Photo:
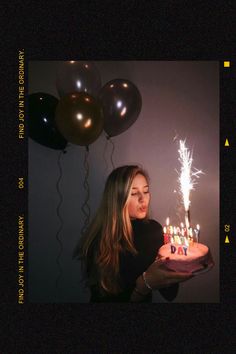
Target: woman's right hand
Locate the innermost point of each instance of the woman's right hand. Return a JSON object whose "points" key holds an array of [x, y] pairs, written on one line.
{"points": [[158, 276]]}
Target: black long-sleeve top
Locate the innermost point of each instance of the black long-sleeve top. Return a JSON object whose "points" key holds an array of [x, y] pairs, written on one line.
{"points": [[148, 238]]}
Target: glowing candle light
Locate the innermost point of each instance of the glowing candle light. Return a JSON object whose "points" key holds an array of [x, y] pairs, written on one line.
{"points": [[166, 236], [167, 221], [182, 239], [198, 232], [167, 224]]}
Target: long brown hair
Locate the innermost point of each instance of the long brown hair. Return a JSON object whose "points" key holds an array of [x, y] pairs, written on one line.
{"points": [[110, 231]]}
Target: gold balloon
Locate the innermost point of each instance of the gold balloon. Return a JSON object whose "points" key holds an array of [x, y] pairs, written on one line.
{"points": [[79, 118]]}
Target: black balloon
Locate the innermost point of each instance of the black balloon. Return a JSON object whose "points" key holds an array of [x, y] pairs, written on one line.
{"points": [[78, 76], [121, 102], [79, 117], [42, 126]]}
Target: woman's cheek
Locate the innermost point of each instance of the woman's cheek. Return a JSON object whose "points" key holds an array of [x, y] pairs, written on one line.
{"points": [[133, 206]]}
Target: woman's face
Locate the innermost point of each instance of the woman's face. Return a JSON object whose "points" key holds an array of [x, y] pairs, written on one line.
{"points": [[139, 198]]}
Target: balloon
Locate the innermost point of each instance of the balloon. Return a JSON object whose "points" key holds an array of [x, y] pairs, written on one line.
{"points": [[79, 117], [121, 103], [78, 76], [42, 127]]}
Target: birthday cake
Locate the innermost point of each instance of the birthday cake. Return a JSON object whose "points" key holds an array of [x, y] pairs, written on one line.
{"points": [[181, 249], [194, 258]]}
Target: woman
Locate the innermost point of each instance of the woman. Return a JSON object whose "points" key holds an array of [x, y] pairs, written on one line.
{"points": [[120, 248]]}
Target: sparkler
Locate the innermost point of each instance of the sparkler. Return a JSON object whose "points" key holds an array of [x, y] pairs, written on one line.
{"points": [[187, 179]]}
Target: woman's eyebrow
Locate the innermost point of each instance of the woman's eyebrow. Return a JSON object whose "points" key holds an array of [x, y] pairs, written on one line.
{"points": [[137, 187]]}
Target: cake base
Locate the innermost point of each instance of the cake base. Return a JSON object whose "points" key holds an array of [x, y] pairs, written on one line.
{"points": [[197, 258]]}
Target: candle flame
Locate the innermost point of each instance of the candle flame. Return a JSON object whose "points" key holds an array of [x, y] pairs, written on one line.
{"points": [[186, 175], [167, 221], [198, 227]]}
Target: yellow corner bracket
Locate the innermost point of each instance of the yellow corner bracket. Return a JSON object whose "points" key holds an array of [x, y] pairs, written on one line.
{"points": [[226, 142]]}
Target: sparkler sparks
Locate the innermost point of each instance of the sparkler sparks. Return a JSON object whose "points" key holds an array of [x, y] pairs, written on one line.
{"points": [[187, 177]]}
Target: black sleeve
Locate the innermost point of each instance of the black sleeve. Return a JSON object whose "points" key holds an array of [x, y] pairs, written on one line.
{"points": [[170, 293], [148, 238]]}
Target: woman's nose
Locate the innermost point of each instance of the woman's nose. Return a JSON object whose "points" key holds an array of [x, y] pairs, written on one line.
{"points": [[141, 196]]}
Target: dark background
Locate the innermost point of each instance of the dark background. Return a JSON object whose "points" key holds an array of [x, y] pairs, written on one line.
{"points": [[151, 30], [178, 99]]}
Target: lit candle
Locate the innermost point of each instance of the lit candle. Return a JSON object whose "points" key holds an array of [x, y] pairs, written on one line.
{"points": [[186, 242], [175, 231], [182, 239], [198, 232], [167, 223], [166, 236]]}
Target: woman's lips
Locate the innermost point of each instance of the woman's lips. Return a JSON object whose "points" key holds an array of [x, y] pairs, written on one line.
{"points": [[143, 208]]}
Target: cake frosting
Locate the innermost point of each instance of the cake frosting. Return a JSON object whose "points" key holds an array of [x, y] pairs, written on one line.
{"points": [[197, 257]]}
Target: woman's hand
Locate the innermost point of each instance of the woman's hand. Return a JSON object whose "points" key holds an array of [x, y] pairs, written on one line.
{"points": [[158, 276]]}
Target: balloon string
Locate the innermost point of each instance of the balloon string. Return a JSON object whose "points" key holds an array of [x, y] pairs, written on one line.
{"points": [[85, 206], [112, 152], [60, 218]]}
